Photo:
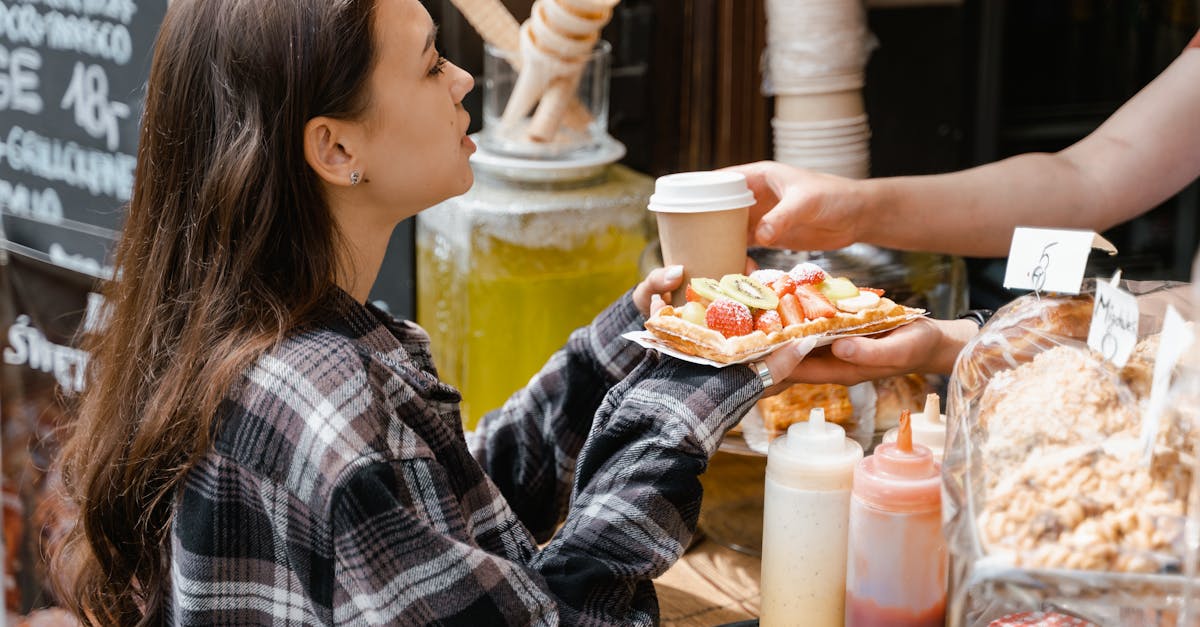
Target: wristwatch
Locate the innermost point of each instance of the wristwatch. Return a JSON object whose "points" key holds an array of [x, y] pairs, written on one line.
{"points": [[979, 316]]}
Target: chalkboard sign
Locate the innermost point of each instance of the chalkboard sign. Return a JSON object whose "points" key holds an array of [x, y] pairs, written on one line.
{"points": [[72, 78], [72, 81]]}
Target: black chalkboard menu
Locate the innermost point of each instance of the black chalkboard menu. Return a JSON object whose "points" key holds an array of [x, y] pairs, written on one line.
{"points": [[72, 77]]}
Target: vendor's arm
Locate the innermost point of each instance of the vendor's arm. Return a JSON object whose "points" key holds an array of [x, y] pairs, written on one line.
{"points": [[1143, 154], [529, 446]]}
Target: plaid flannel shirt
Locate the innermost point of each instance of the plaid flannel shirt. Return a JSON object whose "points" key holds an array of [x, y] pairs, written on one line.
{"points": [[340, 487]]}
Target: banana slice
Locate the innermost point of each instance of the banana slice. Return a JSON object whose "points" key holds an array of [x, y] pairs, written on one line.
{"points": [[855, 304]]}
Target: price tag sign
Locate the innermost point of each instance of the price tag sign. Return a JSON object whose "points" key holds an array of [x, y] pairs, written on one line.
{"points": [[1051, 260], [1175, 340], [1114, 330]]}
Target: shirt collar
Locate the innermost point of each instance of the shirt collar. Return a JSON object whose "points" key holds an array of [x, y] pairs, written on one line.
{"points": [[379, 331]]}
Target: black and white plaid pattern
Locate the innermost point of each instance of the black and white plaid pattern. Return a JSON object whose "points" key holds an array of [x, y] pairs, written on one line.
{"points": [[341, 489]]}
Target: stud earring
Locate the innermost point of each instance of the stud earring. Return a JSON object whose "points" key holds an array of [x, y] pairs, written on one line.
{"points": [[355, 177]]}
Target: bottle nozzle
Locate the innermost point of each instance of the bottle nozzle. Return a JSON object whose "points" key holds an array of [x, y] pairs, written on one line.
{"points": [[933, 412], [816, 419], [904, 436]]}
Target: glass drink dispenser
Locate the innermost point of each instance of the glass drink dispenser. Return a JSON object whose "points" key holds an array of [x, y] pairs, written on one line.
{"points": [[548, 236]]}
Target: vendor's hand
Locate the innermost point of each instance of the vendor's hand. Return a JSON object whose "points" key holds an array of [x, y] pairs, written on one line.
{"points": [[650, 294], [924, 346], [801, 209]]}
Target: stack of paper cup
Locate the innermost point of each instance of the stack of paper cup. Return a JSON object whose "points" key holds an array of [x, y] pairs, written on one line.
{"points": [[839, 146], [816, 55]]}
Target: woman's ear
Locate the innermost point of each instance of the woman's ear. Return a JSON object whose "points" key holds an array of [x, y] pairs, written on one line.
{"points": [[328, 151]]}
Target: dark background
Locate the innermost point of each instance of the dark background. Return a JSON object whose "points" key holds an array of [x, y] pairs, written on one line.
{"points": [[952, 85]]}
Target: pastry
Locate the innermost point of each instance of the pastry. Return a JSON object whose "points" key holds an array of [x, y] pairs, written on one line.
{"points": [[1019, 332], [794, 404], [896, 394], [741, 316]]}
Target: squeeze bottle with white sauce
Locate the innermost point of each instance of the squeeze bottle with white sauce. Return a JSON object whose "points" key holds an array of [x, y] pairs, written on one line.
{"points": [[805, 510], [928, 428], [896, 562]]}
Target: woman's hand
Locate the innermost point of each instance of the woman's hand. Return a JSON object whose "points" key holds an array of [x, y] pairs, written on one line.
{"points": [[783, 362], [650, 295], [924, 346], [801, 209]]}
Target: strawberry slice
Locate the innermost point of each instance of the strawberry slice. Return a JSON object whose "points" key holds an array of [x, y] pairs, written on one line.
{"points": [[693, 297], [790, 310], [814, 303], [784, 285], [808, 274], [768, 321], [766, 276], [873, 290], [729, 317]]}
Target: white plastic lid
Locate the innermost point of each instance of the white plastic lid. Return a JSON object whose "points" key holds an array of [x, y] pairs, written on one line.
{"points": [[814, 455], [694, 192], [815, 437]]}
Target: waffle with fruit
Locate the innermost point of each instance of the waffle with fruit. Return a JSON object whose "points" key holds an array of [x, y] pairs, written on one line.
{"points": [[740, 316]]}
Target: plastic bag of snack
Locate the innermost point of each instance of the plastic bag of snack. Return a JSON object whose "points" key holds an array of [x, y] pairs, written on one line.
{"points": [[1049, 497]]}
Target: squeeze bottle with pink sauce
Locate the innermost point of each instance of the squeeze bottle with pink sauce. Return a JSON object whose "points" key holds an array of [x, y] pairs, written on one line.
{"points": [[805, 510], [896, 562]]}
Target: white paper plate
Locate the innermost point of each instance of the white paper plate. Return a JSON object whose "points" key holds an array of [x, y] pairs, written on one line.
{"points": [[645, 339]]}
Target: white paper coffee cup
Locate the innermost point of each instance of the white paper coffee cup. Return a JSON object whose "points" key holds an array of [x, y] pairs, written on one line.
{"points": [[702, 223]]}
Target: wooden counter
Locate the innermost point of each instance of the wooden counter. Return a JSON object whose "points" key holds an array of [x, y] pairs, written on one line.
{"points": [[710, 585]]}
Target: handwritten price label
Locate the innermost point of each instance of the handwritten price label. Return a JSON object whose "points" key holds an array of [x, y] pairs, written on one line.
{"points": [[1114, 329], [1050, 260], [1176, 338]]}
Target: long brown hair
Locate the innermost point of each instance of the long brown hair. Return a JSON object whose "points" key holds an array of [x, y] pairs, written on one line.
{"points": [[228, 246]]}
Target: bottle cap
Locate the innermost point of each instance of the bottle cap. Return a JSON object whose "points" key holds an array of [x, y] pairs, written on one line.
{"points": [[900, 476], [814, 455], [815, 437], [699, 192]]}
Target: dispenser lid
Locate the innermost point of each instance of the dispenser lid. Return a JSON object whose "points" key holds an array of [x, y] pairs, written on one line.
{"points": [[930, 435], [895, 480], [815, 437], [814, 455], [573, 166]]}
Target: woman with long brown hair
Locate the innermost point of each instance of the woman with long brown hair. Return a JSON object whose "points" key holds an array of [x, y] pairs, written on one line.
{"points": [[257, 446]]}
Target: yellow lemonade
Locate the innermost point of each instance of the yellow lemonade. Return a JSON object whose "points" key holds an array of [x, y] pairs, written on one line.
{"points": [[506, 272]]}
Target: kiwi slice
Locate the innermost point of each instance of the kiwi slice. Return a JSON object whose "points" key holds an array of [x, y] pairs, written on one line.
{"points": [[839, 288], [709, 289], [749, 292]]}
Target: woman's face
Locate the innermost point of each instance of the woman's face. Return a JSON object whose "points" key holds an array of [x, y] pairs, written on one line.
{"points": [[416, 148]]}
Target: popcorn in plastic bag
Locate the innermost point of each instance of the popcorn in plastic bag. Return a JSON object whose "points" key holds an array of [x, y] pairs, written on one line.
{"points": [[1048, 496]]}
